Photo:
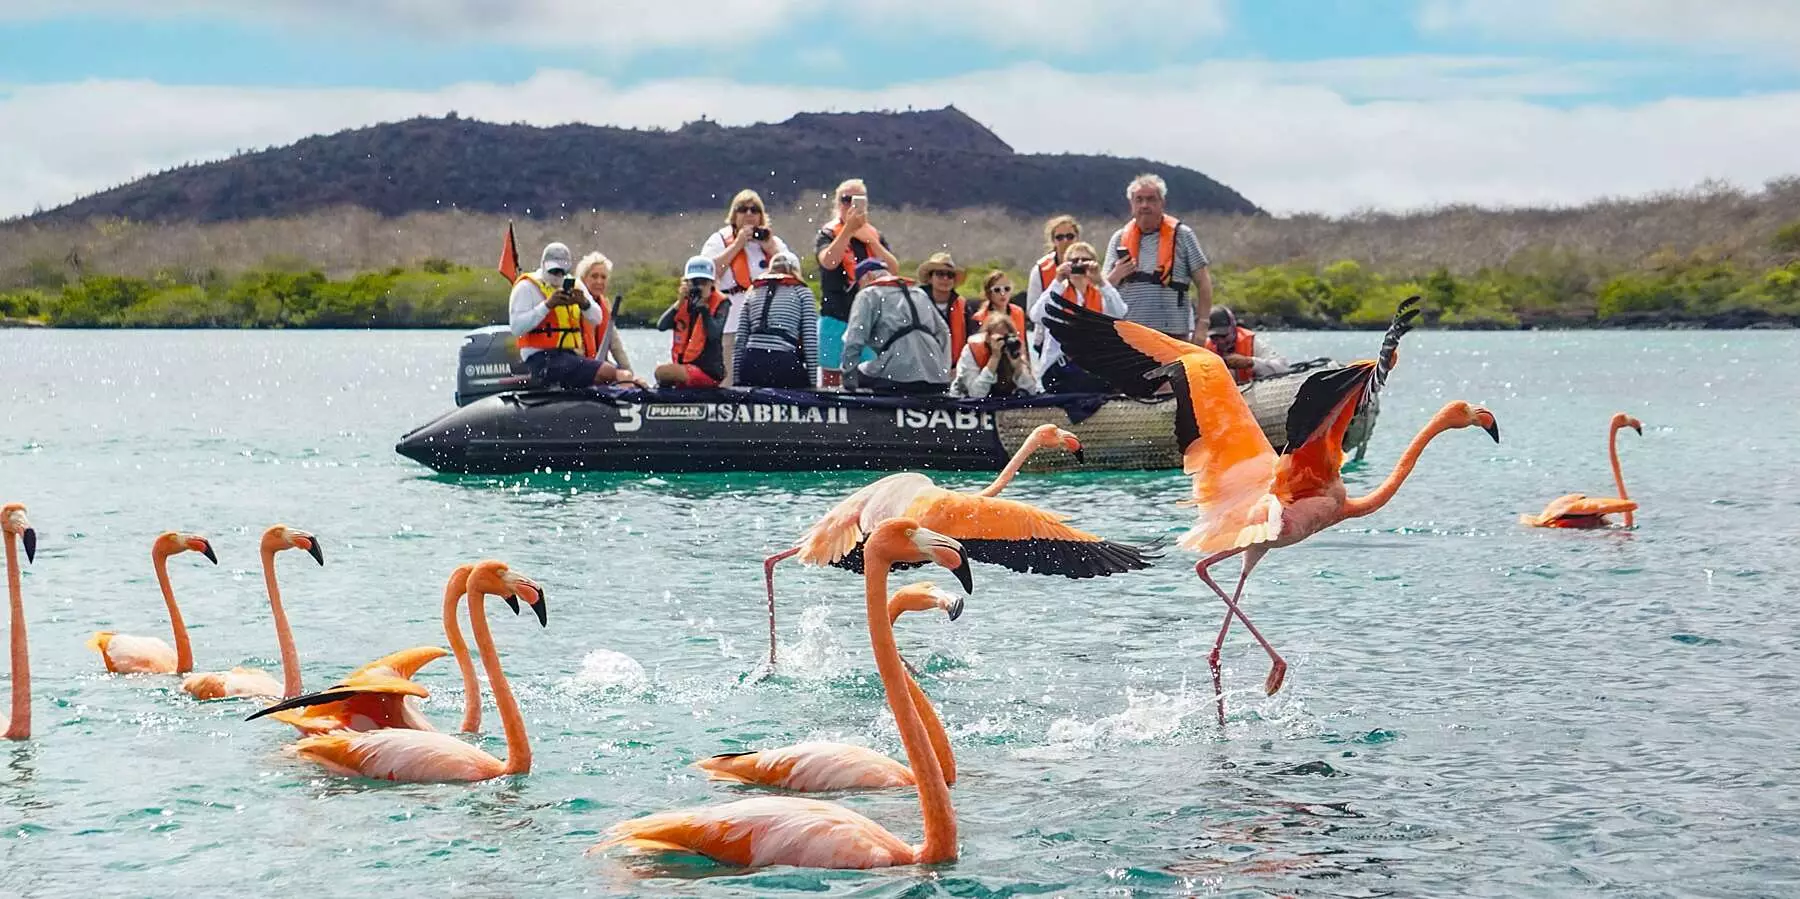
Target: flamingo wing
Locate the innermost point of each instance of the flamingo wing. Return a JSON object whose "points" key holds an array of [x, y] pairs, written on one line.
{"points": [[842, 529], [125, 654], [410, 756], [1578, 510], [367, 701], [766, 830], [1124, 354], [809, 767], [1223, 450], [403, 664]]}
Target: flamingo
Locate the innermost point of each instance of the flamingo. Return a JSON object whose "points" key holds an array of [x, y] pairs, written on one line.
{"points": [[1001, 531], [1252, 499], [18, 529], [425, 756], [254, 681], [125, 654], [1578, 511], [818, 765], [789, 830]]}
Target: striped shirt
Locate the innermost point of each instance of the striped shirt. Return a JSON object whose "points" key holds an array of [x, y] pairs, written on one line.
{"points": [[792, 312], [1153, 305]]}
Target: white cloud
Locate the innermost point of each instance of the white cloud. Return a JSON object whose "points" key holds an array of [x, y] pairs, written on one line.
{"points": [[1290, 139], [1768, 24]]}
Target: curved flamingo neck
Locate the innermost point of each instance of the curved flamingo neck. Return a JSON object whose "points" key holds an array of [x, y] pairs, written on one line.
{"points": [[20, 726], [184, 651], [934, 793], [1365, 505], [290, 657], [1612, 449], [518, 746], [453, 593], [1031, 445], [934, 728]]}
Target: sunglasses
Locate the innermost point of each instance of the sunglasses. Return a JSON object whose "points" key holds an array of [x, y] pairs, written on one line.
{"points": [[1000, 288], [746, 207], [940, 273], [844, 199], [1060, 238]]}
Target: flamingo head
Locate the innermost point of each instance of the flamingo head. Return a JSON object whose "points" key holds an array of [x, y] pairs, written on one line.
{"points": [[1621, 420], [13, 521], [1045, 435], [280, 537], [904, 540], [1460, 414], [924, 596], [169, 543], [493, 578]]}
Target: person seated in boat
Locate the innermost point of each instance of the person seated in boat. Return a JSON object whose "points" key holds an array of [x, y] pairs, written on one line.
{"points": [[842, 244], [592, 275], [1246, 353], [557, 324], [994, 362], [997, 296], [740, 253], [941, 276], [1077, 279], [911, 340], [778, 330], [697, 356]]}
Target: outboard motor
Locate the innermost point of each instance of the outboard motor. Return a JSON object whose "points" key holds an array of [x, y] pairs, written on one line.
{"points": [[489, 364]]}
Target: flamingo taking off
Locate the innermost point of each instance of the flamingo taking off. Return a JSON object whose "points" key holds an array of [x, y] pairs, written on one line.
{"points": [[1000, 531], [820, 765], [1251, 498], [425, 756], [1578, 511], [255, 681], [18, 529], [789, 830], [125, 654]]}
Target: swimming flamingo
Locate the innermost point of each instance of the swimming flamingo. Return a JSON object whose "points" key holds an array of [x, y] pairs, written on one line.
{"points": [[17, 528], [254, 681], [1578, 511], [789, 830], [1252, 499], [818, 765], [1001, 531], [424, 756], [125, 654]]}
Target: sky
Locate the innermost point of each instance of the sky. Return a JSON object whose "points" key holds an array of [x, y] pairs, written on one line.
{"points": [[1326, 106]]}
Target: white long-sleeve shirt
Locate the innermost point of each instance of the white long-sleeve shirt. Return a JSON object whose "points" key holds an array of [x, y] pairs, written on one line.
{"points": [[1110, 303], [528, 307], [975, 380], [727, 280]]}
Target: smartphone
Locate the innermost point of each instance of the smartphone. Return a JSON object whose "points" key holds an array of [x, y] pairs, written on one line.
{"points": [[861, 202], [1124, 253], [568, 282]]}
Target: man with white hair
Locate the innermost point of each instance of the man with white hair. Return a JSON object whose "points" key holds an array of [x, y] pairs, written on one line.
{"points": [[1155, 260], [778, 329], [558, 325]]}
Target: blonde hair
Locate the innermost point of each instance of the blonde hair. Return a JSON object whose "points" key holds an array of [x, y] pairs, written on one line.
{"points": [[748, 194], [1156, 181], [998, 317], [1050, 230], [849, 183], [588, 262], [1080, 245]]}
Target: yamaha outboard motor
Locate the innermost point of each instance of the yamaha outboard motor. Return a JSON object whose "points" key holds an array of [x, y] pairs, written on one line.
{"points": [[489, 364]]}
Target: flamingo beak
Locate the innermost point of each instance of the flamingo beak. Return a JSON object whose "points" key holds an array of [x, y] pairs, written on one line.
{"points": [[313, 549], [205, 548], [531, 594], [955, 609], [30, 540], [946, 552], [963, 576], [542, 609], [512, 601], [1493, 429], [1080, 457], [1638, 426]]}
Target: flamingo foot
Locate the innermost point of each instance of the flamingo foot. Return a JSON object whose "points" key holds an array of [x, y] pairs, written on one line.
{"points": [[1277, 674]]}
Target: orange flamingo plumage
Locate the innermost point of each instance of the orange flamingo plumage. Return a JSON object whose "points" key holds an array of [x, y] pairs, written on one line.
{"points": [[1004, 532], [126, 654], [1578, 511], [789, 830], [1251, 498], [255, 681], [820, 765], [18, 529]]}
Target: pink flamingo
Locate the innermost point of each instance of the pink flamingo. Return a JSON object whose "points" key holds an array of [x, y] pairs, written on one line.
{"points": [[1578, 511], [254, 681], [125, 654], [17, 529]]}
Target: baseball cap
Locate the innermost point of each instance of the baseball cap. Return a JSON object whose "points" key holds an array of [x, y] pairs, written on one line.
{"points": [[557, 256], [871, 264], [1220, 322], [699, 267]]}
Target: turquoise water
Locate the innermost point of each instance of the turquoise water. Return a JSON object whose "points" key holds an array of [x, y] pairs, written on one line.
{"points": [[1473, 708]]}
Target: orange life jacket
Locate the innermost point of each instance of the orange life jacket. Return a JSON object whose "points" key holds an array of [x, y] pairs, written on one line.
{"points": [[958, 312], [1013, 311], [1046, 269], [740, 264], [1090, 298], [690, 335], [851, 257], [1244, 345], [563, 328], [979, 350], [1165, 253]]}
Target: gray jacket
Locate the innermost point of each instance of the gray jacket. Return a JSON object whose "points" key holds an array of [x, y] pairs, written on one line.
{"points": [[911, 341]]}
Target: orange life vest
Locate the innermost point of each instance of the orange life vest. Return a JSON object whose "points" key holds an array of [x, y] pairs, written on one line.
{"points": [[1090, 298], [1046, 269], [1165, 253], [850, 258], [563, 328], [1244, 345], [1013, 311], [958, 312], [979, 350], [740, 264], [690, 335]]}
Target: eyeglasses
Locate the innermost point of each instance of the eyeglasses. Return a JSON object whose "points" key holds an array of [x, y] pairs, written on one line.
{"points": [[1062, 238], [746, 207], [1000, 288], [556, 272]]}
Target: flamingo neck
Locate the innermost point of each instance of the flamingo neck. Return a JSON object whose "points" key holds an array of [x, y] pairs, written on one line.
{"points": [[20, 728], [453, 591], [934, 793], [184, 651], [290, 657], [1365, 505], [1612, 449], [1013, 465], [518, 746], [934, 728]]}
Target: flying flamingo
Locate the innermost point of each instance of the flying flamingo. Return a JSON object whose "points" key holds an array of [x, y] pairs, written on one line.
{"points": [[789, 830], [1252, 499], [1578, 511], [125, 654], [819, 765], [18, 529], [424, 756], [254, 681], [1001, 531]]}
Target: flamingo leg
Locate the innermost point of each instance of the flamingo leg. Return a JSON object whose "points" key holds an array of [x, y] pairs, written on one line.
{"points": [[769, 579], [1278, 669]]}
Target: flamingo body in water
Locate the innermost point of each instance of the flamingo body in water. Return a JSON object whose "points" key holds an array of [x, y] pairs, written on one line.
{"points": [[1576, 510], [127, 654], [1252, 498], [17, 529], [790, 830], [820, 765], [254, 681], [1003, 532]]}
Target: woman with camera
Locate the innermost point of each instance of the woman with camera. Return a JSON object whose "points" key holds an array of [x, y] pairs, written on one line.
{"points": [[1077, 281], [740, 252], [697, 356], [997, 296], [1060, 234], [993, 362]]}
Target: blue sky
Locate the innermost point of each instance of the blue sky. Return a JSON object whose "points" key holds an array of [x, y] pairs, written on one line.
{"points": [[1327, 105]]}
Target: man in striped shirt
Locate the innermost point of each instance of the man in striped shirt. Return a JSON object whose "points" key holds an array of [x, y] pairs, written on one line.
{"points": [[1155, 262]]}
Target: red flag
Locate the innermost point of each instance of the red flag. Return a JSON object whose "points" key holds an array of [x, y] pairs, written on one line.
{"points": [[509, 256]]}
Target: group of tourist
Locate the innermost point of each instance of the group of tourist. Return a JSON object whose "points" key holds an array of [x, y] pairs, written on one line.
{"points": [[745, 316]]}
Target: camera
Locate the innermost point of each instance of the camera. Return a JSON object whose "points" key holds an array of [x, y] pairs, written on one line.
{"points": [[1011, 345], [568, 282], [759, 234], [1081, 266]]}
